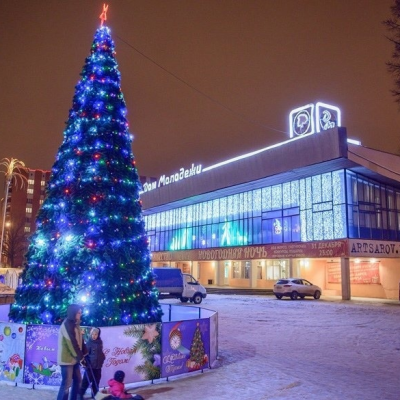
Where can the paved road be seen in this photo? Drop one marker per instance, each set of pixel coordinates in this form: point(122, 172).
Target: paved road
point(242, 292)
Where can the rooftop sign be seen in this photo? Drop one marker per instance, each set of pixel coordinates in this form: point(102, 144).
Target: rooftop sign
point(175, 177)
point(304, 120)
point(312, 118)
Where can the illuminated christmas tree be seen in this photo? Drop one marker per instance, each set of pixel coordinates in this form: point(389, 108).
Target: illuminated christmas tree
point(90, 246)
point(198, 356)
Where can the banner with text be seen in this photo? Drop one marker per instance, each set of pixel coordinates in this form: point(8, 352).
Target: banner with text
point(362, 272)
point(322, 249)
point(41, 355)
point(134, 349)
point(185, 347)
point(373, 248)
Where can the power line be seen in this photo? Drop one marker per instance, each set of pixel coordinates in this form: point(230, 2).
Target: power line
point(237, 114)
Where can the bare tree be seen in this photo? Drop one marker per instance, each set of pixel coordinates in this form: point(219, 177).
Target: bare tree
point(393, 27)
point(15, 242)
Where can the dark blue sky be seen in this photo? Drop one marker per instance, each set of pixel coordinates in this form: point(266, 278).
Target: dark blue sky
point(253, 60)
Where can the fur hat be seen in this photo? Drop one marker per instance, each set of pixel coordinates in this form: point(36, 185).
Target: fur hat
point(95, 330)
point(119, 376)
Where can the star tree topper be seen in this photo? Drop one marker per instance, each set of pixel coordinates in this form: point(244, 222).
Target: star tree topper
point(150, 333)
point(103, 15)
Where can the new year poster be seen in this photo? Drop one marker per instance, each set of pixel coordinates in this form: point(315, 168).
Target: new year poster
point(134, 349)
point(12, 348)
point(185, 347)
point(41, 355)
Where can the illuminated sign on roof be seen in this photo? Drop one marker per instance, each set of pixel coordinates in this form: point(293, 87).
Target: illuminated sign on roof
point(302, 120)
point(313, 118)
point(308, 119)
point(175, 177)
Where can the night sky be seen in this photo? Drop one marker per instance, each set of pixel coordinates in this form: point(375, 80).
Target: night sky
point(204, 80)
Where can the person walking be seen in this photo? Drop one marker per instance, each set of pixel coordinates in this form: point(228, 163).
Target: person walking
point(95, 362)
point(71, 351)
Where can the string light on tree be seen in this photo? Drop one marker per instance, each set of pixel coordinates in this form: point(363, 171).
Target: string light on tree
point(90, 246)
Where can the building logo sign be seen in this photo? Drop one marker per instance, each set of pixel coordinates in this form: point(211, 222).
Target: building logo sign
point(312, 118)
point(176, 177)
point(373, 248)
point(302, 121)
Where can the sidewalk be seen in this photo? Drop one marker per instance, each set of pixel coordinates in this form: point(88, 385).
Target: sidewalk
point(178, 387)
point(332, 343)
point(359, 300)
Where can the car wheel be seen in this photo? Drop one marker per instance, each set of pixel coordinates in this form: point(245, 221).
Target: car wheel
point(294, 295)
point(197, 299)
point(317, 294)
point(278, 296)
point(184, 299)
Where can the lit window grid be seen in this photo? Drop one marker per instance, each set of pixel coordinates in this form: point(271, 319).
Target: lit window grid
point(327, 187)
point(316, 189)
point(266, 198)
point(338, 180)
point(325, 220)
point(295, 193)
point(277, 197)
point(286, 198)
point(307, 193)
point(257, 202)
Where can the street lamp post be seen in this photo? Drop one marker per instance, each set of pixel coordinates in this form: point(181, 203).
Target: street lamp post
point(13, 170)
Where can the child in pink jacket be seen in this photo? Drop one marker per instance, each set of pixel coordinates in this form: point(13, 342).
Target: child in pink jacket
point(117, 387)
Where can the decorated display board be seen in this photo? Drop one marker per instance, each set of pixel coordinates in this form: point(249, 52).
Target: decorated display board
point(12, 350)
point(41, 355)
point(28, 353)
point(185, 347)
point(134, 349)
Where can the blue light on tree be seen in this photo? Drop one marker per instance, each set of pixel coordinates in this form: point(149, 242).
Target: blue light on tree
point(90, 246)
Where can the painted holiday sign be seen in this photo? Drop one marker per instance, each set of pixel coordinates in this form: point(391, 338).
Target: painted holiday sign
point(41, 355)
point(12, 349)
point(134, 349)
point(185, 347)
point(312, 118)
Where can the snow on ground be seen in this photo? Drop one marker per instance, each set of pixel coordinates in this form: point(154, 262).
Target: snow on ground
point(282, 349)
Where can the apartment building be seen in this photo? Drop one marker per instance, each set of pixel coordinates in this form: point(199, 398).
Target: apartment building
point(23, 203)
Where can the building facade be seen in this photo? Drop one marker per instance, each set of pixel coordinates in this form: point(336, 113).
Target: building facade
point(23, 203)
point(315, 206)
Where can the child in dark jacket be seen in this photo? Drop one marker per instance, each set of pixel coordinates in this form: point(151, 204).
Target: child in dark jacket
point(117, 387)
point(96, 358)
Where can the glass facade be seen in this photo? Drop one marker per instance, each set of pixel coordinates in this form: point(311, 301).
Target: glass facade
point(334, 205)
point(373, 209)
